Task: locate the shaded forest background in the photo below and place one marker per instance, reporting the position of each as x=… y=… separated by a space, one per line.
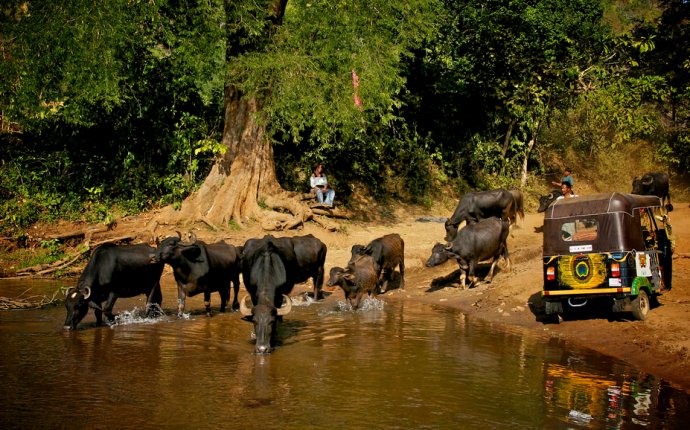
x=116 y=107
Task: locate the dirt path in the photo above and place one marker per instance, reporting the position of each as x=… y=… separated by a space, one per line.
x=659 y=345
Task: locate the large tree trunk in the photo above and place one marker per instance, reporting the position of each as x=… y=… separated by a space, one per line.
x=231 y=190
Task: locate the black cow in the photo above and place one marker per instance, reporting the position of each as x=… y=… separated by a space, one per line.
x=388 y=252
x=270 y=269
x=113 y=271
x=653 y=184
x=201 y=268
x=360 y=277
x=547 y=200
x=518 y=208
x=474 y=243
x=479 y=205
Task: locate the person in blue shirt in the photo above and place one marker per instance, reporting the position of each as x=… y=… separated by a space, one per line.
x=319 y=185
x=567 y=177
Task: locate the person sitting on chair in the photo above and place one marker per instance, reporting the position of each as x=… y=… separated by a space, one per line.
x=319 y=185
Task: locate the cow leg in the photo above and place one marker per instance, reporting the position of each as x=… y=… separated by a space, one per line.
x=108 y=308
x=99 y=316
x=155 y=298
x=473 y=267
x=207 y=302
x=236 y=289
x=224 y=296
x=385 y=277
x=506 y=257
x=402 y=275
x=358 y=301
x=318 y=283
x=181 y=296
x=490 y=276
x=463 y=275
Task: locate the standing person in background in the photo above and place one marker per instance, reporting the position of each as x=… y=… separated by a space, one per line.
x=319 y=185
x=567 y=177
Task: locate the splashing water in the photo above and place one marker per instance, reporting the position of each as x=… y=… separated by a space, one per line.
x=368 y=304
x=138 y=316
x=302 y=300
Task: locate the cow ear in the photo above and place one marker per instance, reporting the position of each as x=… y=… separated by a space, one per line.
x=191 y=252
x=349 y=276
x=451 y=254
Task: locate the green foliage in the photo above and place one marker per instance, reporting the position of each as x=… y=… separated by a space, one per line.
x=54 y=249
x=308 y=68
x=125 y=99
x=120 y=106
x=500 y=66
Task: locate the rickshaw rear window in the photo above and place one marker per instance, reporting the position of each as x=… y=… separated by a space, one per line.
x=584 y=229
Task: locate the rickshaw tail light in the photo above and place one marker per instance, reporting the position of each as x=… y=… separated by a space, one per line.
x=616 y=270
x=550 y=273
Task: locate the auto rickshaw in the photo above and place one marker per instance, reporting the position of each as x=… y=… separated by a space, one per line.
x=616 y=247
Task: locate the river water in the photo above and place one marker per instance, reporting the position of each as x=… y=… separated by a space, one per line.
x=391 y=365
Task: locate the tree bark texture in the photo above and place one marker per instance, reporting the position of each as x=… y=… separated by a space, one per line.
x=530 y=145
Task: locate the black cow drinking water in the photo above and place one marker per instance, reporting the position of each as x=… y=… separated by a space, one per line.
x=359 y=278
x=653 y=184
x=201 y=268
x=475 y=206
x=270 y=268
x=113 y=271
x=474 y=243
x=388 y=252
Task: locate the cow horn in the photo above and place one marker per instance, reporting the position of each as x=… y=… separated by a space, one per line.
x=69 y=291
x=87 y=292
x=287 y=306
x=246 y=309
x=648 y=180
x=179 y=235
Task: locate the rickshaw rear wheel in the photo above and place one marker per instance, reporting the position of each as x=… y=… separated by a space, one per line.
x=640 y=306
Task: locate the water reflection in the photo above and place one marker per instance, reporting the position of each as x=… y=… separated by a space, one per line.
x=387 y=365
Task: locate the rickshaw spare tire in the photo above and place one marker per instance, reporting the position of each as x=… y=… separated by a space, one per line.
x=640 y=306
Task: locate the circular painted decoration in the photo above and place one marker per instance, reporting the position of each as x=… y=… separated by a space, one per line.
x=582 y=268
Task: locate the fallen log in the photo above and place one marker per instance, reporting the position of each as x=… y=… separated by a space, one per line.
x=32 y=302
x=87 y=233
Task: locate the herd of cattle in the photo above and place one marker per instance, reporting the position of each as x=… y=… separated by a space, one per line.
x=271 y=266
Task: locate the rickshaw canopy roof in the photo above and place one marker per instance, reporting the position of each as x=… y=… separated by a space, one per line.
x=595 y=204
x=614 y=217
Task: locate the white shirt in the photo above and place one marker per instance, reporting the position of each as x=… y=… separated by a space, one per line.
x=561 y=197
x=318 y=181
